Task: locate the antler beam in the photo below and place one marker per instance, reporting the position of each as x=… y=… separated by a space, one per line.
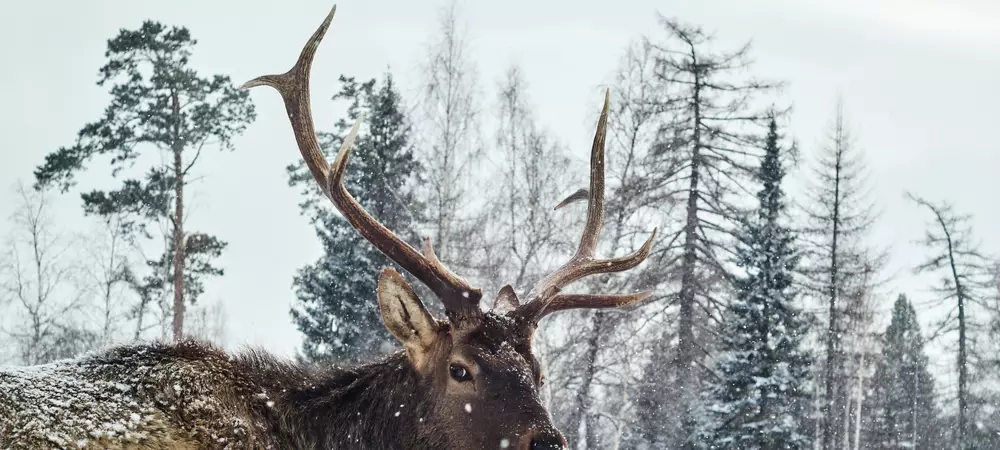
x=458 y=296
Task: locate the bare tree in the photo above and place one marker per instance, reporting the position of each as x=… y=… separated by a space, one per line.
x=532 y=173
x=106 y=269
x=712 y=123
x=448 y=134
x=207 y=322
x=840 y=270
x=966 y=282
x=41 y=285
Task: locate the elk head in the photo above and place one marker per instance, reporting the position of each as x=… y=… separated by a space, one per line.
x=477 y=366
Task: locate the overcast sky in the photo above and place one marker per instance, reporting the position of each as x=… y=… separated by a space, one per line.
x=919 y=80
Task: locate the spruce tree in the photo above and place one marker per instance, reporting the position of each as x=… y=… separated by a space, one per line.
x=756 y=400
x=901 y=399
x=163 y=114
x=336 y=307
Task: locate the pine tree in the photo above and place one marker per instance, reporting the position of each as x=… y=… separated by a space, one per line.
x=901 y=399
x=336 y=308
x=755 y=402
x=160 y=110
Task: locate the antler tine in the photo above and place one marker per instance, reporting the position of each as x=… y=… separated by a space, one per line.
x=440 y=268
x=294 y=89
x=458 y=296
x=573 y=301
x=543 y=297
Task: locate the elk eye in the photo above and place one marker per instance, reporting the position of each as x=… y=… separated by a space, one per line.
x=460 y=373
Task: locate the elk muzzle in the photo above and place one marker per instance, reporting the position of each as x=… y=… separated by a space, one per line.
x=542 y=439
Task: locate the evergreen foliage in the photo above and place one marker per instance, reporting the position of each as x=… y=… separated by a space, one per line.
x=337 y=309
x=162 y=113
x=901 y=399
x=756 y=401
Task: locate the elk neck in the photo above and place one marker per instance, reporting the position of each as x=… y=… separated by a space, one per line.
x=381 y=404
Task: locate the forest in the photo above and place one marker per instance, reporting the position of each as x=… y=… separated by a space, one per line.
x=771 y=325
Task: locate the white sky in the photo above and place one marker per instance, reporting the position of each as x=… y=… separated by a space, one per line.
x=919 y=79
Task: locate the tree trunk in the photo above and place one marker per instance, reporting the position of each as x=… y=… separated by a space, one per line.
x=963 y=370
x=859 y=398
x=686 y=351
x=583 y=397
x=685 y=344
x=178 y=222
x=833 y=338
x=963 y=373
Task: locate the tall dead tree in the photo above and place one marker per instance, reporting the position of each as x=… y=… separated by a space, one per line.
x=839 y=266
x=712 y=123
x=989 y=364
x=965 y=287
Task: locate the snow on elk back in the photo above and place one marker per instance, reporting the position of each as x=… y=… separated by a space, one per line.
x=129 y=397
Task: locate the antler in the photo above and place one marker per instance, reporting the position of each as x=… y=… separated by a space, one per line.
x=459 y=298
x=544 y=297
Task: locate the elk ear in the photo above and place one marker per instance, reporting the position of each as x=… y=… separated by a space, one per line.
x=405 y=316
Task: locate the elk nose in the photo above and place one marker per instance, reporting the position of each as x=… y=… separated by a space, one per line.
x=548 y=440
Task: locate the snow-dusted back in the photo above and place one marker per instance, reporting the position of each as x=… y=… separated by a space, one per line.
x=129 y=397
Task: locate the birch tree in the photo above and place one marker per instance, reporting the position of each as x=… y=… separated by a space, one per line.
x=108 y=259
x=448 y=137
x=522 y=230
x=40 y=286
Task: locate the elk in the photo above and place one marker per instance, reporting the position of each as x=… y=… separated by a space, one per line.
x=468 y=381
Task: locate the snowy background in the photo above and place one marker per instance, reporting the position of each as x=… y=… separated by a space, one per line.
x=918 y=81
